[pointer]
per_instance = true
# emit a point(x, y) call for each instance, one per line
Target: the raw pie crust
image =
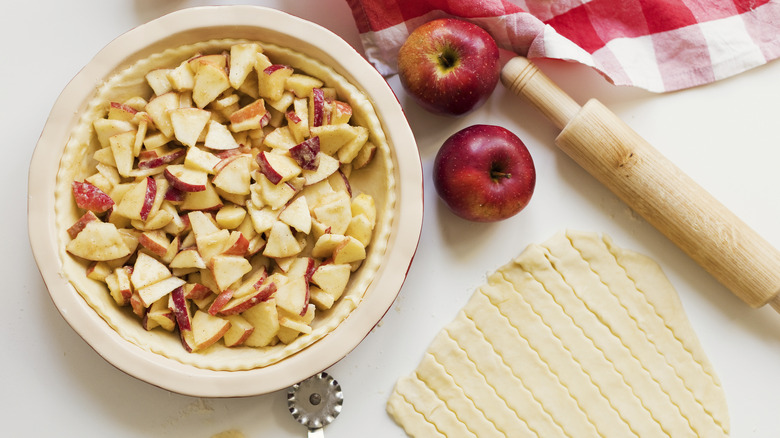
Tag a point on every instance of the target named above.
point(574, 338)
point(376, 179)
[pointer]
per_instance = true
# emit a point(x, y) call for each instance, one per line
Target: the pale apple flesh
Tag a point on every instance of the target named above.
point(484, 173)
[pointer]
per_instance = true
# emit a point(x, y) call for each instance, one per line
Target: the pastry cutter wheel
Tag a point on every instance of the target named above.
point(315, 402)
point(654, 187)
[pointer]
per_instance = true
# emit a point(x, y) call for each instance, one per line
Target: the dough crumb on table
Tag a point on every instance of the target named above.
point(574, 338)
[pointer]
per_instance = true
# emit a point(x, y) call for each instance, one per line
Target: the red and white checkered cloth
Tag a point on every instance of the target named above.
point(658, 45)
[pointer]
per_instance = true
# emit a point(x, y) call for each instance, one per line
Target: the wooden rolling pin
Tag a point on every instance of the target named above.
point(654, 187)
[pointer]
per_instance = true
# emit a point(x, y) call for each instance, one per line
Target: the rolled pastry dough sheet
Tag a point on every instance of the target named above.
point(574, 338)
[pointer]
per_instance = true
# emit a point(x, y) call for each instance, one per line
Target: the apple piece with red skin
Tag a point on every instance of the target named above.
point(121, 111)
point(82, 222)
point(484, 173)
point(237, 244)
point(305, 153)
point(207, 329)
point(272, 79)
point(241, 304)
point(251, 116)
point(185, 178)
point(219, 303)
point(240, 330)
point(137, 305)
point(316, 107)
point(146, 155)
point(91, 198)
point(277, 167)
point(251, 282)
point(449, 66)
point(181, 309)
point(151, 193)
point(155, 241)
point(162, 160)
point(174, 195)
point(196, 291)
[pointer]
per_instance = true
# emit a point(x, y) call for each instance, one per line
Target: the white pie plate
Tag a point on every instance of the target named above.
point(200, 24)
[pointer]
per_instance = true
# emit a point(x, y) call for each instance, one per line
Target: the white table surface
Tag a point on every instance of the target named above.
point(724, 135)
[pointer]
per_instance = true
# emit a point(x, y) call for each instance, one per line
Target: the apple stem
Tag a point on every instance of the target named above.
point(448, 59)
point(497, 174)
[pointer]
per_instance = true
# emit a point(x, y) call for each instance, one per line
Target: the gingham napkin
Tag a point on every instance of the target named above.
point(658, 45)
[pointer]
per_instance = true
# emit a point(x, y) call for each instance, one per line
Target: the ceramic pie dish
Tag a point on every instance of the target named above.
point(59, 156)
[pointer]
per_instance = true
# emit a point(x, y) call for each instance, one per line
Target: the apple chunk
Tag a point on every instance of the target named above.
point(185, 178)
point(252, 116)
point(91, 198)
point(204, 200)
point(219, 137)
point(277, 167)
point(227, 269)
point(332, 278)
point(326, 166)
point(210, 81)
point(242, 62)
point(148, 270)
point(272, 81)
point(240, 330)
point(305, 153)
point(188, 123)
point(235, 176)
point(281, 241)
point(137, 202)
point(265, 319)
point(158, 109)
point(98, 241)
point(155, 291)
point(293, 296)
point(82, 222)
point(297, 215)
point(181, 309)
point(242, 304)
point(122, 148)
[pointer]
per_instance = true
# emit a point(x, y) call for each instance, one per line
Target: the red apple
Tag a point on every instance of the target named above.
point(449, 66)
point(484, 173)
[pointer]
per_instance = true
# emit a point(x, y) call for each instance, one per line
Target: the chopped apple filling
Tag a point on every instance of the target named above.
point(221, 206)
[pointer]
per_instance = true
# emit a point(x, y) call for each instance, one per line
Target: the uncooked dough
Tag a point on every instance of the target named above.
point(574, 338)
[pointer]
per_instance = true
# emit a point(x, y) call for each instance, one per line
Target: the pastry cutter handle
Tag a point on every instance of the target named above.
point(654, 187)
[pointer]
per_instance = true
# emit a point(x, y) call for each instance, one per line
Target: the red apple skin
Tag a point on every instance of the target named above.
point(484, 173)
point(449, 66)
point(318, 102)
point(91, 198)
point(151, 193)
point(184, 186)
point(180, 309)
point(305, 153)
point(162, 160)
point(82, 222)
